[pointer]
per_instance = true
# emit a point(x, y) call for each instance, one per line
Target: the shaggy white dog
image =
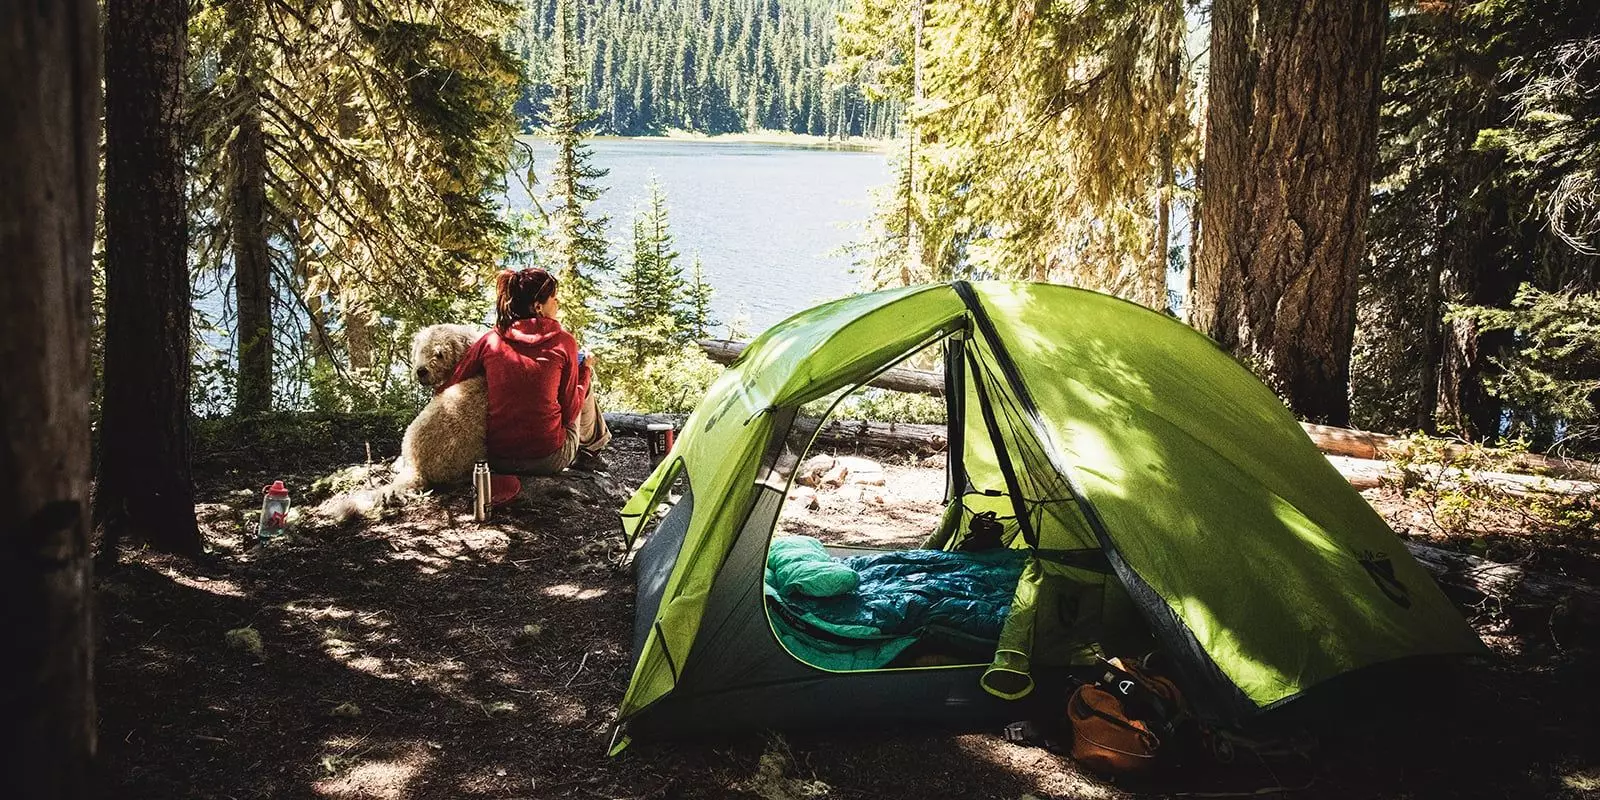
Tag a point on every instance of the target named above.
point(446, 438)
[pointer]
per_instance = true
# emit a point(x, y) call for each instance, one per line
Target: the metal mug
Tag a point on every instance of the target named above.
point(659, 437)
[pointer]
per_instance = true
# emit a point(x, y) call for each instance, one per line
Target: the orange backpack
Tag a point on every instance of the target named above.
point(1119, 722)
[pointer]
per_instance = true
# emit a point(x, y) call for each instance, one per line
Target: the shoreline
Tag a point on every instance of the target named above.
point(775, 138)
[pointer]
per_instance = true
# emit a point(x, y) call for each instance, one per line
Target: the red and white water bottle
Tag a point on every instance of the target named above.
point(274, 512)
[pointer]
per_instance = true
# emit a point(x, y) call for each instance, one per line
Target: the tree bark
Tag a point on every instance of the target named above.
point(358, 338)
point(1464, 402)
point(1290, 141)
point(252, 265)
point(49, 132)
point(143, 485)
point(1155, 281)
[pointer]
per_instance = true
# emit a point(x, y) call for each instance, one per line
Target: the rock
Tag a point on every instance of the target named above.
point(804, 495)
point(584, 488)
point(935, 461)
point(811, 472)
point(862, 471)
point(347, 710)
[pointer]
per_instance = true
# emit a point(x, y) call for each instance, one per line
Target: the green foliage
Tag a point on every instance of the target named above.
point(715, 66)
point(580, 251)
point(1451, 479)
point(694, 314)
point(1554, 371)
point(890, 406)
point(671, 382)
point(1043, 142)
point(647, 317)
point(281, 442)
point(1484, 182)
point(387, 126)
point(361, 390)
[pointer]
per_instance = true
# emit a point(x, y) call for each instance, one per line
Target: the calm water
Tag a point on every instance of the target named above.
point(767, 221)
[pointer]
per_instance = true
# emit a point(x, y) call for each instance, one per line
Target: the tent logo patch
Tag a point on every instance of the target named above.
point(1381, 570)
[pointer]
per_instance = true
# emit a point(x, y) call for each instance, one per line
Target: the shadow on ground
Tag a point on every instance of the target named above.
point(428, 656)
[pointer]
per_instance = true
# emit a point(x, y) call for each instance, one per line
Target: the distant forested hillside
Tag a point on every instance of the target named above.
point(714, 66)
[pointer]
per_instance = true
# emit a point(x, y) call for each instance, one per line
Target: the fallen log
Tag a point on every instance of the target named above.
point(1365, 473)
point(900, 379)
point(1509, 585)
point(1334, 441)
point(854, 434)
point(1368, 445)
point(903, 437)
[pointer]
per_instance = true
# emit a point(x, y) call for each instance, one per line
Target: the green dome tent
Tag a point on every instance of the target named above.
point(1160, 492)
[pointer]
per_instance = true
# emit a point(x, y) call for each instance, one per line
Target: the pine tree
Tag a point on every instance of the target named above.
point(1482, 143)
point(646, 319)
point(715, 66)
point(346, 161)
point(51, 101)
point(143, 484)
point(582, 252)
point(1291, 135)
point(1040, 141)
point(694, 314)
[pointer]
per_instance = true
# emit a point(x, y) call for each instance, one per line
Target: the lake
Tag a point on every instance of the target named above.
point(768, 221)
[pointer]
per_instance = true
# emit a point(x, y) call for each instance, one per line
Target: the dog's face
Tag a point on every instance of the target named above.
point(436, 350)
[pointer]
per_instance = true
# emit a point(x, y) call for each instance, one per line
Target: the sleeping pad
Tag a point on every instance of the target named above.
point(898, 598)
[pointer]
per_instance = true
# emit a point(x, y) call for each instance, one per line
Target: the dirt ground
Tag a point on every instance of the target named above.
point(428, 656)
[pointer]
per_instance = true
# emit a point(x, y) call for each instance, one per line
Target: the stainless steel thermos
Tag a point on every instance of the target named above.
point(480, 491)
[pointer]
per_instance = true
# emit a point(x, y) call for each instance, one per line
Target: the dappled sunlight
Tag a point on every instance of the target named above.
point(1582, 780)
point(221, 587)
point(1052, 775)
point(568, 591)
point(355, 773)
point(371, 665)
point(436, 549)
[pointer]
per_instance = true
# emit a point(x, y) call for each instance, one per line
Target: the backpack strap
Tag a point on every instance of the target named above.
point(1028, 734)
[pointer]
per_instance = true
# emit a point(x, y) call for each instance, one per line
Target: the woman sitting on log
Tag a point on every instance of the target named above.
point(542, 414)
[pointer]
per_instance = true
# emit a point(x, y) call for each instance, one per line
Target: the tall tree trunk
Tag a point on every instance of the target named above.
point(1155, 279)
point(1432, 310)
point(143, 485)
point(1191, 265)
point(1464, 402)
point(319, 340)
point(358, 338)
point(915, 260)
point(252, 266)
point(1290, 142)
point(49, 133)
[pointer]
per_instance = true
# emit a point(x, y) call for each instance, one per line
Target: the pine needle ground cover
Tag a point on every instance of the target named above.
point(423, 655)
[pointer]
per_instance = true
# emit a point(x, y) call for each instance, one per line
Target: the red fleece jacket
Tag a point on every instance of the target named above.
point(535, 386)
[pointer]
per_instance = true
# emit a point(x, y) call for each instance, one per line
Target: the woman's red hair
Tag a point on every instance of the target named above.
point(517, 292)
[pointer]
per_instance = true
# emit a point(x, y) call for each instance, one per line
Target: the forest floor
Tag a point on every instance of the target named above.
point(425, 655)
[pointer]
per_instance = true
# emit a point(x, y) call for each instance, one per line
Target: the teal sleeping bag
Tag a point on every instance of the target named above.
point(901, 597)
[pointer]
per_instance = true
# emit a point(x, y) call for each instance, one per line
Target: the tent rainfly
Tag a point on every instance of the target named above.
point(1160, 494)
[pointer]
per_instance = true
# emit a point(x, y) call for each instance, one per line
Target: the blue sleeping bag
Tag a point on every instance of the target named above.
point(900, 597)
